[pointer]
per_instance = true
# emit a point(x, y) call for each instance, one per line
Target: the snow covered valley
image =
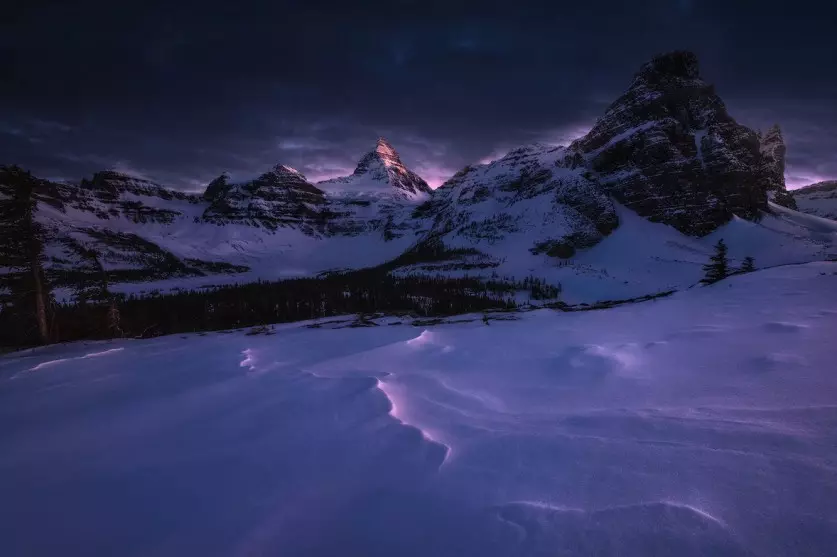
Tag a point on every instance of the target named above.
point(704, 423)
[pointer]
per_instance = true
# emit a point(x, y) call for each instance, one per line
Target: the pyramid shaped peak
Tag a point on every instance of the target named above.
point(384, 156)
point(384, 166)
point(217, 187)
point(285, 169)
point(385, 149)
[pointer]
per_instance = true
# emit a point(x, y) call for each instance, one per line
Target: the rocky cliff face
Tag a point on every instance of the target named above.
point(818, 199)
point(280, 197)
point(114, 195)
point(669, 150)
point(773, 153)
point(217, 188)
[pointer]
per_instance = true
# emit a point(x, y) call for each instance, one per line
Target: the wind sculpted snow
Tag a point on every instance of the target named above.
point(700, 424)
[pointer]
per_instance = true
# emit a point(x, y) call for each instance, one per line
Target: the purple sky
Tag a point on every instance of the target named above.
point(181, 93)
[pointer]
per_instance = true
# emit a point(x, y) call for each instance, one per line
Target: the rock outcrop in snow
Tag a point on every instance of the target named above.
point(279, 197)
point(669, 150)
point(217, 188)
point(773, 152)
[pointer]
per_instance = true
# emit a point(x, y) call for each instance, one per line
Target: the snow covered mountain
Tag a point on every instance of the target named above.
point(631, 208)
point(279, 197)
point(669, 150)
point(146, 236)
point(380, 173)
point(818, 199)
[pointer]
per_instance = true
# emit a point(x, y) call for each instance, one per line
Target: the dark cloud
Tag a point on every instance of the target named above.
point(183, 92)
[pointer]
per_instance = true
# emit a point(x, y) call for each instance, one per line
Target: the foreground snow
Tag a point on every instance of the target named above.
point(701, 424)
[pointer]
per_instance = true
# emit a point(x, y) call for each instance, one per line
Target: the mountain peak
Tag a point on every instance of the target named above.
point(379, 171)
point(773, 135)
point(387, 152)
point(285, 169)
point(217, 187)
point(384, 155)
point(668, 148)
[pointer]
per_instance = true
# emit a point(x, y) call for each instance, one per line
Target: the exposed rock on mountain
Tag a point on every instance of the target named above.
point(279, 197)
point(217, 188)
point(93, 230)
point(523, 198)
point(110, 185)
point(380, 172)
point(818, 199)
point(773, 151)
point(666, 150)
point(378, 197)
point(110, 194)
point(669, 150)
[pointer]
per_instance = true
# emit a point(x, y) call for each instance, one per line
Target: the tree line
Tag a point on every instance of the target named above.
point(262, 303)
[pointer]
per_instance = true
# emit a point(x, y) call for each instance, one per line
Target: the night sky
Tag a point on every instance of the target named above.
point(180, 94)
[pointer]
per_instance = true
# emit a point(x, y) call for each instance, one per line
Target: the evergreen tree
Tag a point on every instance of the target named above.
point(749, 265)
point(22, 252)
point(718, 266)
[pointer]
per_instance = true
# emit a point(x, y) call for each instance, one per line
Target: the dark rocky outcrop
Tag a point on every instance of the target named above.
point(773, 153)
point(109, 185)
point(669, 150)
point(217, 188)
point(280, 197)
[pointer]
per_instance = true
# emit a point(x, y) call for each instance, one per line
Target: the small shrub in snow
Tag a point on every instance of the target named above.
point(718, 266)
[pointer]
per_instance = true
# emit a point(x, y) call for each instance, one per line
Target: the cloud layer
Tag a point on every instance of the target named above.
point(181, 94)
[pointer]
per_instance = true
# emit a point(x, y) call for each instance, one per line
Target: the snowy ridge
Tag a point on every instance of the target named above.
point(818, 199)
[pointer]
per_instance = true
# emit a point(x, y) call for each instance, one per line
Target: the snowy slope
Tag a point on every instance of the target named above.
point(528, 214)
point(700, 424)
point(274, 226)
point(818, 199)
